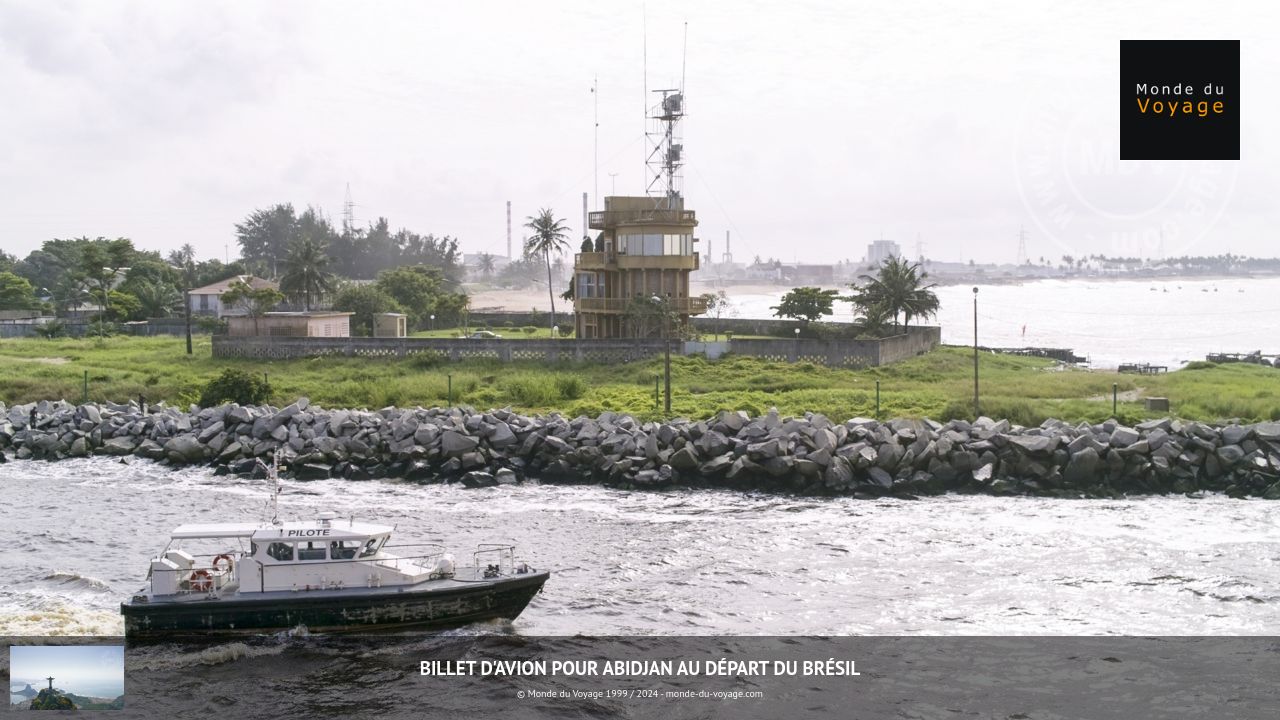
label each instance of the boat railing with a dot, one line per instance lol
(491, 552)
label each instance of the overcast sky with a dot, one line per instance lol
(813, 127)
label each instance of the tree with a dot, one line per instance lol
(16, 293)
(549, 236)
(365, 301)
(264, 236)
(7, 261)
(897, 289)
(806, 304)
(717, 306)
(156, 300)
(420, 291)
(100, 265)
(306, 273)
(183, 256)
(486, 264)
(122, 306)
(650, 315)
(255, 302)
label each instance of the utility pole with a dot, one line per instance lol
(664, 304)
(187, 313)
(976, 412)
(509, 256)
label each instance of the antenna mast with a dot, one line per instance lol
(595, 96)
(1022, 246)
(348, 213)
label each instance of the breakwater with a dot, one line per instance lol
(812, 454)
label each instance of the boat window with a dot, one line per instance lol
(343, 549)
(280, 551)
(311, 552)
(371, 547)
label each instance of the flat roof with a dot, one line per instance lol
(214, 530)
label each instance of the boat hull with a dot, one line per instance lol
(431, 606)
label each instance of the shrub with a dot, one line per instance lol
(211, 325)
(101, 328)
(1200, 365)
(528, 330)
(236, 386)
(50, 330)
(570, 387)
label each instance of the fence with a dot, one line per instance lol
(80, 329)
(836, 353)
(843, 353)
(280, 348)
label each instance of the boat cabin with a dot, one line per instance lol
(325, 553)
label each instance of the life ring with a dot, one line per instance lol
(201, 581)
(230, 562)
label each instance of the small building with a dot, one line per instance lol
(320, 324)
(207, 300)
(393, 325)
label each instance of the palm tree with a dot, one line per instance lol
(182, 257)
(549, 235)
(306, 273)
(896, 290)
(159, 300)
(486, 264)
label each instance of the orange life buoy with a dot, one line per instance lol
(220, 558)
(201, 581)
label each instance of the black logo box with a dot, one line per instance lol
(1189, 65)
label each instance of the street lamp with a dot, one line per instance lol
(976, 412)
(666, 353)
(796, 350)
(433, 323)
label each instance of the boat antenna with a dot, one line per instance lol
(274, 474)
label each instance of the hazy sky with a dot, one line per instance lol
(96, 670)
(813, 127)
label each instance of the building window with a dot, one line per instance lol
(204, 302)
(656, 244)
(587, 286)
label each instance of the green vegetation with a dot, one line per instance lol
(549, 236)
(236, 386)
(806, 304)
(937, 385)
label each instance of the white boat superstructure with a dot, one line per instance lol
(324, 553)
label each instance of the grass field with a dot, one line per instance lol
(937, 385)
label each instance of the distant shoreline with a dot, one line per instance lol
(498, 300)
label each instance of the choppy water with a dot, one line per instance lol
(79, 533)
(1163, 322)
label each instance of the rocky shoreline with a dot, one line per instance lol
(808, 455)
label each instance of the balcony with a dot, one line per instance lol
(680, 306)
(591, 261)
(607, 261)
(602, 219)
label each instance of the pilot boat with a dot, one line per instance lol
(327, 574)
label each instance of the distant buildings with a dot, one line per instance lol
(645, 251)
(880, 250)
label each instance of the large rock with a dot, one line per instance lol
(184, 448)
(1082, 467)
(454, 443)
(121, 445)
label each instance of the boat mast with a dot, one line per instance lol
(274, 474)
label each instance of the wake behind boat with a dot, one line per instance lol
(326, 574)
